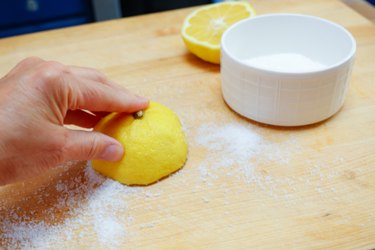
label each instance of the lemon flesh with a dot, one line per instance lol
(154, 144)
(203, 28)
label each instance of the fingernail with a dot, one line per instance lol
(112, 153)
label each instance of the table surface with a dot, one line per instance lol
(245, 185)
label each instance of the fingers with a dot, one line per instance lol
(74, 88)
(81, 118)
(85, 145)
(90, 89)
(94, 75)
(90, 95)
(89, 73)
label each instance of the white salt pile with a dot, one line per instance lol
(235, 142)
(100, 209)
(95, 204)
(285, 62)
(237, 148)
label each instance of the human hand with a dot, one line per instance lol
(37, 98)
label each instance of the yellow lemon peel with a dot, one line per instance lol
(154, 144)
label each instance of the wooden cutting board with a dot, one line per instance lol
(245, 185)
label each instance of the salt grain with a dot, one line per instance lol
(109, 230)
(236, 147)
(235, 142)
(285, 62)
(100, 213)
(98, 208)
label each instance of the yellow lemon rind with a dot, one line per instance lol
(126, 171)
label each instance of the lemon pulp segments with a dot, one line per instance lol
(203, 28)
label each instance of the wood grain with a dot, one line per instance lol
(310, 187)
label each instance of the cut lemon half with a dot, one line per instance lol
(203, 28)
(154, 143)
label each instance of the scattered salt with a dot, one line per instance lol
(98, 207)
(146, 225)
(109, 230)
(235, 142)
(100, 213)
(236, 148)
(285, 62)
(205, 200)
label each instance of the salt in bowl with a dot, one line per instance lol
(286, 69)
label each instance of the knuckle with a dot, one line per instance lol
(25, 65)
(51, 71)
(93, 149)
(81, 147)
(99, 76)
(57, 148)
(31, 60)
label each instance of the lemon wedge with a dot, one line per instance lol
(203, 28)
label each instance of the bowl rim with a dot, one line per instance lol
(349, 56)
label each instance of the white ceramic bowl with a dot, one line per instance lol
(286, 98)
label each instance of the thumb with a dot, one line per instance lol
(89, 145)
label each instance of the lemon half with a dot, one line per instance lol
(154, 144)
(203, 28)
